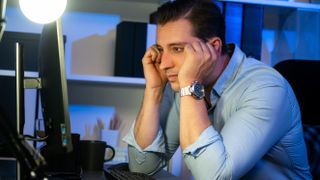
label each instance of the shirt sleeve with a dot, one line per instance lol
(207, 137)
(157, 145)
(148, 160)
(207, 158)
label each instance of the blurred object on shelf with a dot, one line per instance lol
(90, 121)
(96, 134)
(114, 122)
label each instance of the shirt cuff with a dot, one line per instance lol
(207, 137)
(157, 145)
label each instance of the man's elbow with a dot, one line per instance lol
(145, 162)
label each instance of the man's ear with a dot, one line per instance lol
(216, 43)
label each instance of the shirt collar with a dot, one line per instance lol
(230, 72)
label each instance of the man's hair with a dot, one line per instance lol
(204, 15)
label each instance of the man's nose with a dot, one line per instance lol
(166, 61)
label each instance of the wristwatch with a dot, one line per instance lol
(196, 90)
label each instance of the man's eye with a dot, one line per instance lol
(177, 49)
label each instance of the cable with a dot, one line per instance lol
(35, 139)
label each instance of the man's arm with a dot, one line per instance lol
(145, 139)
(200, 64)
(262, 116)
(248, 132)
(154, 157)
(147, 122)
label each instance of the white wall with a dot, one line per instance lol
(90, 42)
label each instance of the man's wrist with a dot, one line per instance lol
(184, 83)
(153, 93)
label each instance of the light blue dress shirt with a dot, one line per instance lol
(256, 130)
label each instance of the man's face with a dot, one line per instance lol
(171, 40)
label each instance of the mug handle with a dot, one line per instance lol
(113, 153)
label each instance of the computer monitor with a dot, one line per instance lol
(53, 93)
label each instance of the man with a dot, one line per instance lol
(232, 115)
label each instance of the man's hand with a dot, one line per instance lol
(199, 64)
(155, 78)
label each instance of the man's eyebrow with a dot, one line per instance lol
(173, 44)
(177, 44)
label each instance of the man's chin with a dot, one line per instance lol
(175, 86)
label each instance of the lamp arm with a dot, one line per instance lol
(3, 4)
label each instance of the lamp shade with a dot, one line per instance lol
(43, 11)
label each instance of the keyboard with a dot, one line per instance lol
(121, 172)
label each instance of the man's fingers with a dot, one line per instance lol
(156, 54)
(152, 55)
(206, 50)
(197, 47)
(212, 50)
(189, 49)
(155, 48)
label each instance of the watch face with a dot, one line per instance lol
(197, 90)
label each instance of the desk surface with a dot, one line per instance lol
(6, 164)
(99, 175)
(165, 175)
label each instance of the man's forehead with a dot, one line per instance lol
(174, 33)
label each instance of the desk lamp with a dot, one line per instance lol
(43, 11)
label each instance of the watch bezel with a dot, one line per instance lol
(197, 90)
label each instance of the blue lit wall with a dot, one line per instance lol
(290, 33)
(233, 19)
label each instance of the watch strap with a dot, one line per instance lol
(185, 91)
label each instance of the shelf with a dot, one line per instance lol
(280, 3)
(29, 74)
(107, 79)
(87, 78)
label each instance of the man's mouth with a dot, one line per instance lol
(172, 77)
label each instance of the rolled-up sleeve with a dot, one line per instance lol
(208, 154)
(158, 145)
(207, 137)
(146, 160)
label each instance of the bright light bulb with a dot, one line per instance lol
(43, 11)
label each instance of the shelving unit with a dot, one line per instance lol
(279, 3)
(29, 74)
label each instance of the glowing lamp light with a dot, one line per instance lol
(43, 11)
